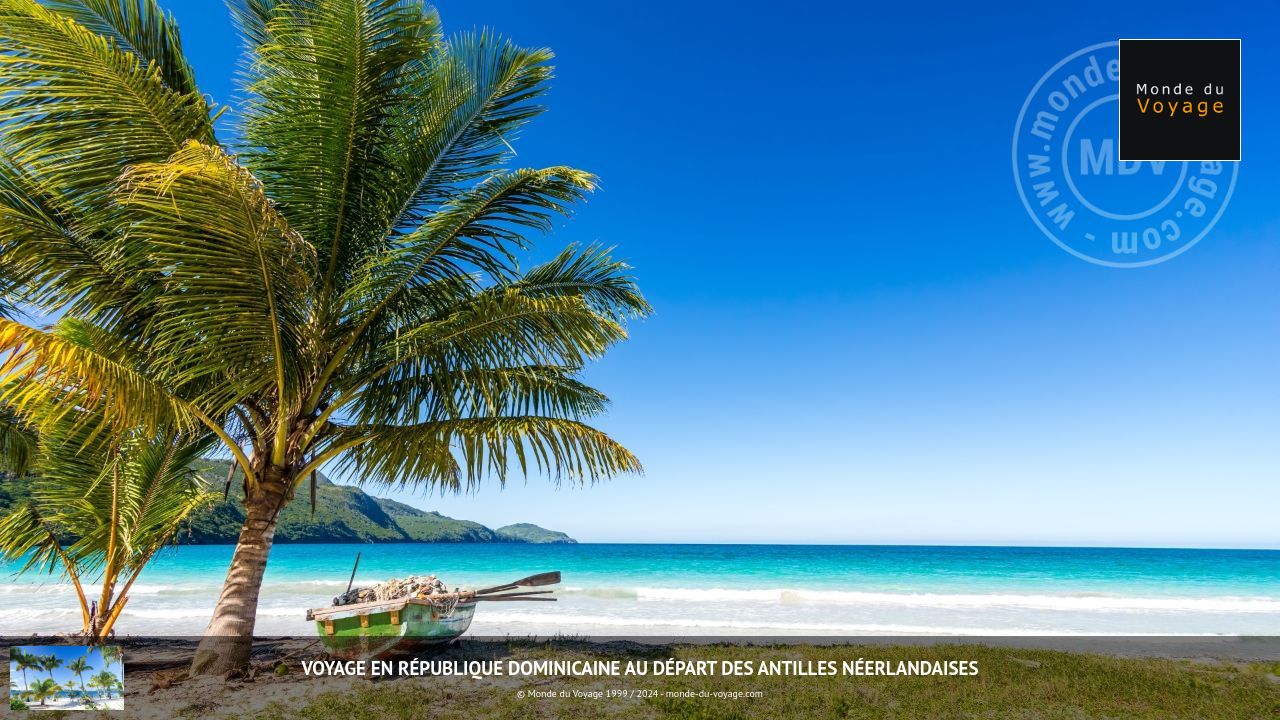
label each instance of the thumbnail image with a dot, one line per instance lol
(66, 677)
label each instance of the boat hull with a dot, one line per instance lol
(392, 628)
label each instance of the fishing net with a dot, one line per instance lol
(413, 586)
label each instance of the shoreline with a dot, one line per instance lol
(728, 590)
(114, 704)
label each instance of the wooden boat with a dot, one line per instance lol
(391, 627)
(380, 629)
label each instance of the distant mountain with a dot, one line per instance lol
(530, 533)
(343, 514)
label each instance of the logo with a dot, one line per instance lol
(1180, 100)
(1069, 175)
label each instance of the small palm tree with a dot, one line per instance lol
(343, 284)
(49, 663)
(105, 680)
(80, 666)
(24, 661)
(122, 497)
(42, 689)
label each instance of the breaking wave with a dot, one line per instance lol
(1074, 603)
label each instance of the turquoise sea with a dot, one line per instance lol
(728, 589)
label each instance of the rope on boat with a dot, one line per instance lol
(447, 605)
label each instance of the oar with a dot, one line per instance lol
(547, 578)
(515, 594)
(513, 598)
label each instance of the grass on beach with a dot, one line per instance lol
(1013, 683)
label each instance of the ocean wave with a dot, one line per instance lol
(32, 613)
(169, 613)
(90, 589)
(543, 623)
(291, 587)
(50, 588)
(207, 611)
(1087, 603)
(189, 599)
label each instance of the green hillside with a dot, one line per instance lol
(530, 533)
(342, 514)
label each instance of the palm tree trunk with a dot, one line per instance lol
(229, 637)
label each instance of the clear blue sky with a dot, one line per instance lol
(61, 675)
(860, 335)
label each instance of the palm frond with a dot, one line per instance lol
(494, 329)
(75, 108)
(473, 102)
(476, 231)
(151, 478)
(455, 455)
(140, 27)
(45, 257)
(251, 18)
(17, 442)
(51, 374)
(205, 223)
(592, 274)
(28, 539)
(324, 79)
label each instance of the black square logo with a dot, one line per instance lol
(1179, 99)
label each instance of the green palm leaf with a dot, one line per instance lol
(205, 223)
(457, 454)
(75, 108)
(324, 85)
(17, 442)
(140, 27)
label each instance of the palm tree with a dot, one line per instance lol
(111, 654)
(80, 666)
(42, 689)
(342, 286)
(24, 661)
(49, 663)
(105, 680)
(121, 497)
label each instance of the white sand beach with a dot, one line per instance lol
(77, 704)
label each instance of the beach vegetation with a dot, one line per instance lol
(345, 282)
(111, 654)
(44, 689)
(79, 667)
(105, 680)
(22, 661)
(102, 507)
(49, 663)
